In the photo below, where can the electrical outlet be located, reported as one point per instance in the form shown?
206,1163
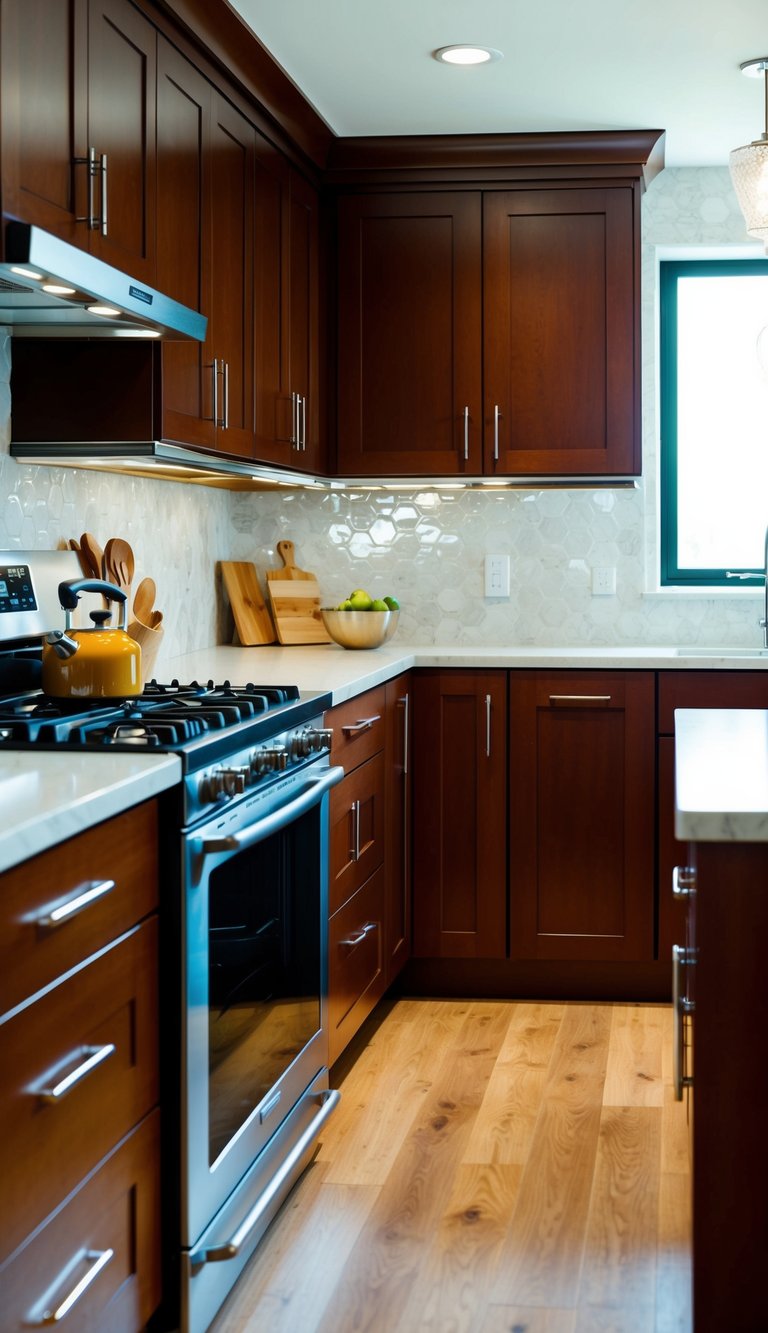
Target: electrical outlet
604,581
497,576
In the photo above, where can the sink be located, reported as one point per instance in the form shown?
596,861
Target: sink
721,652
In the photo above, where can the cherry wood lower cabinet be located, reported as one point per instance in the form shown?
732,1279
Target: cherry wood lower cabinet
459,814
581,815
730,1088
79,1142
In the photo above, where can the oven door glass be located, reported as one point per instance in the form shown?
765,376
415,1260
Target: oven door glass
264,972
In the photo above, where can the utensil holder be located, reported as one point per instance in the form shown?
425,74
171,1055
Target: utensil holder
149,641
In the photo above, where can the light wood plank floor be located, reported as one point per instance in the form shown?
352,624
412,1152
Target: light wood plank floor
494,1167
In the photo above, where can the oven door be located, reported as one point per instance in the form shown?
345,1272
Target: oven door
254,979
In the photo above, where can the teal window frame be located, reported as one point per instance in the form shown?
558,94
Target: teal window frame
670,270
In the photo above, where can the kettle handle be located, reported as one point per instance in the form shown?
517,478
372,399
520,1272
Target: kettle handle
69,594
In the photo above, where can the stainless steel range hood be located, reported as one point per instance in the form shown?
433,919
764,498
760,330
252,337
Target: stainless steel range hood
95,300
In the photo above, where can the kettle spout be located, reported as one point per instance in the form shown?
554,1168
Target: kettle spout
61,643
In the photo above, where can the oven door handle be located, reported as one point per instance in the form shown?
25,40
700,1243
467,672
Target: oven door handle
231,1248
311,795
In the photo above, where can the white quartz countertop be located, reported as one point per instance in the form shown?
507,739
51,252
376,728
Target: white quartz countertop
45,798
347,673
721,775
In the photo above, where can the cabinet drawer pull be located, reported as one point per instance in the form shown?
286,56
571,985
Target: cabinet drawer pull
496,415
683,882
577,700
94,1056
225,418
362,724
97,1259
357,936
487,726
682,1008
465,414
83,898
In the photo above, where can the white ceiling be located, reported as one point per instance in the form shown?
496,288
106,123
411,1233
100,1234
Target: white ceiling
568,65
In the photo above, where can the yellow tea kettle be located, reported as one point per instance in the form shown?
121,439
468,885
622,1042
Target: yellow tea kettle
98,662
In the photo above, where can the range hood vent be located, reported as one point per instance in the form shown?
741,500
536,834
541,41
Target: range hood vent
95,300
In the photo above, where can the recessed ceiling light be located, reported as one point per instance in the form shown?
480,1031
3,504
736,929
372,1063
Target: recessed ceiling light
56,289
105,310
467,55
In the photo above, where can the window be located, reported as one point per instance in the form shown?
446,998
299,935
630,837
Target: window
714,419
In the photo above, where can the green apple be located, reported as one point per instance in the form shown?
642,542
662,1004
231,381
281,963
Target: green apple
360,600
378,605
345,606
392,603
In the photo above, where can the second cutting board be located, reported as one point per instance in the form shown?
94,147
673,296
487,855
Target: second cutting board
294,596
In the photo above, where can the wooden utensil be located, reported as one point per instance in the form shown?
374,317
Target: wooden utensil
119,563
252,619
295,599
144,600
93,555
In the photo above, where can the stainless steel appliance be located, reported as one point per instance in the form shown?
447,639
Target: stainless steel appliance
244,916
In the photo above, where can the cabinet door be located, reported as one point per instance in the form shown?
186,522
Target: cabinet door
184,101
274,419
44,114
356,830
122,49
459,814
409,348
561,359
397,826
230,329
581,815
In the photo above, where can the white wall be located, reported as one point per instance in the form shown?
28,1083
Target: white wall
424,546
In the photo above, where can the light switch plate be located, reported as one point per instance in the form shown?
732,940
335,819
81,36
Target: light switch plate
497,576
604,581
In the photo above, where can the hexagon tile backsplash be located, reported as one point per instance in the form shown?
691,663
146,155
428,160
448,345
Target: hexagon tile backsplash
425,546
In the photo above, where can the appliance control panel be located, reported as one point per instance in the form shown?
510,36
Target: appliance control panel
254,766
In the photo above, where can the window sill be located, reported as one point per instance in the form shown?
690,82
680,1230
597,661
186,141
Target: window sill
756,594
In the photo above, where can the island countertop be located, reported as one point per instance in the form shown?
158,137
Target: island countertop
721,775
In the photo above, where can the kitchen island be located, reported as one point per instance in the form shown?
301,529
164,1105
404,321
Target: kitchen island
722,810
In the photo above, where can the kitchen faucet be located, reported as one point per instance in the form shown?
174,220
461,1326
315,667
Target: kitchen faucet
729,574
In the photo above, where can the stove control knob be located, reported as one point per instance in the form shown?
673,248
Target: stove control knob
275,759
300,745
235,780
319,737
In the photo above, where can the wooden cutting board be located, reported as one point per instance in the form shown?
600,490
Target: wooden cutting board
252,619
294,596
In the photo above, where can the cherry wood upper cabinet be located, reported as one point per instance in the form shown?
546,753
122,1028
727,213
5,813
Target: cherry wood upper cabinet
303,319
490,332
560,332
78,150
581,815
409,345
459,814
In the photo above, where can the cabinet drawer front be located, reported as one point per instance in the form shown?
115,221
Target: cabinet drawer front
708,689
358,728
357,830
33,950
118,1210
356,977
52,1135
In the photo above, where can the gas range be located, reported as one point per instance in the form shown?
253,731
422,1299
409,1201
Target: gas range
229,738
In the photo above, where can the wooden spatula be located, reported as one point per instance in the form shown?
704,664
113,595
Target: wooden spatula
144,600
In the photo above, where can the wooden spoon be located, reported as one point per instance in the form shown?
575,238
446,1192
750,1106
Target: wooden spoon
144,600
93,555
119,563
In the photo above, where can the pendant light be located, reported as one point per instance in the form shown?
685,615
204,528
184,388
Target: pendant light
749,166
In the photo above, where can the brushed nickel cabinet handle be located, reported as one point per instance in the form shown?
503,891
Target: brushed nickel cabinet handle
89,163
487,726
405,701
84,897
98,1259
466,434
362,724
104,188
683,882
579,700
303,445
295,421
356,808
215,373
496,415
682,1008
225,421
94,1056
